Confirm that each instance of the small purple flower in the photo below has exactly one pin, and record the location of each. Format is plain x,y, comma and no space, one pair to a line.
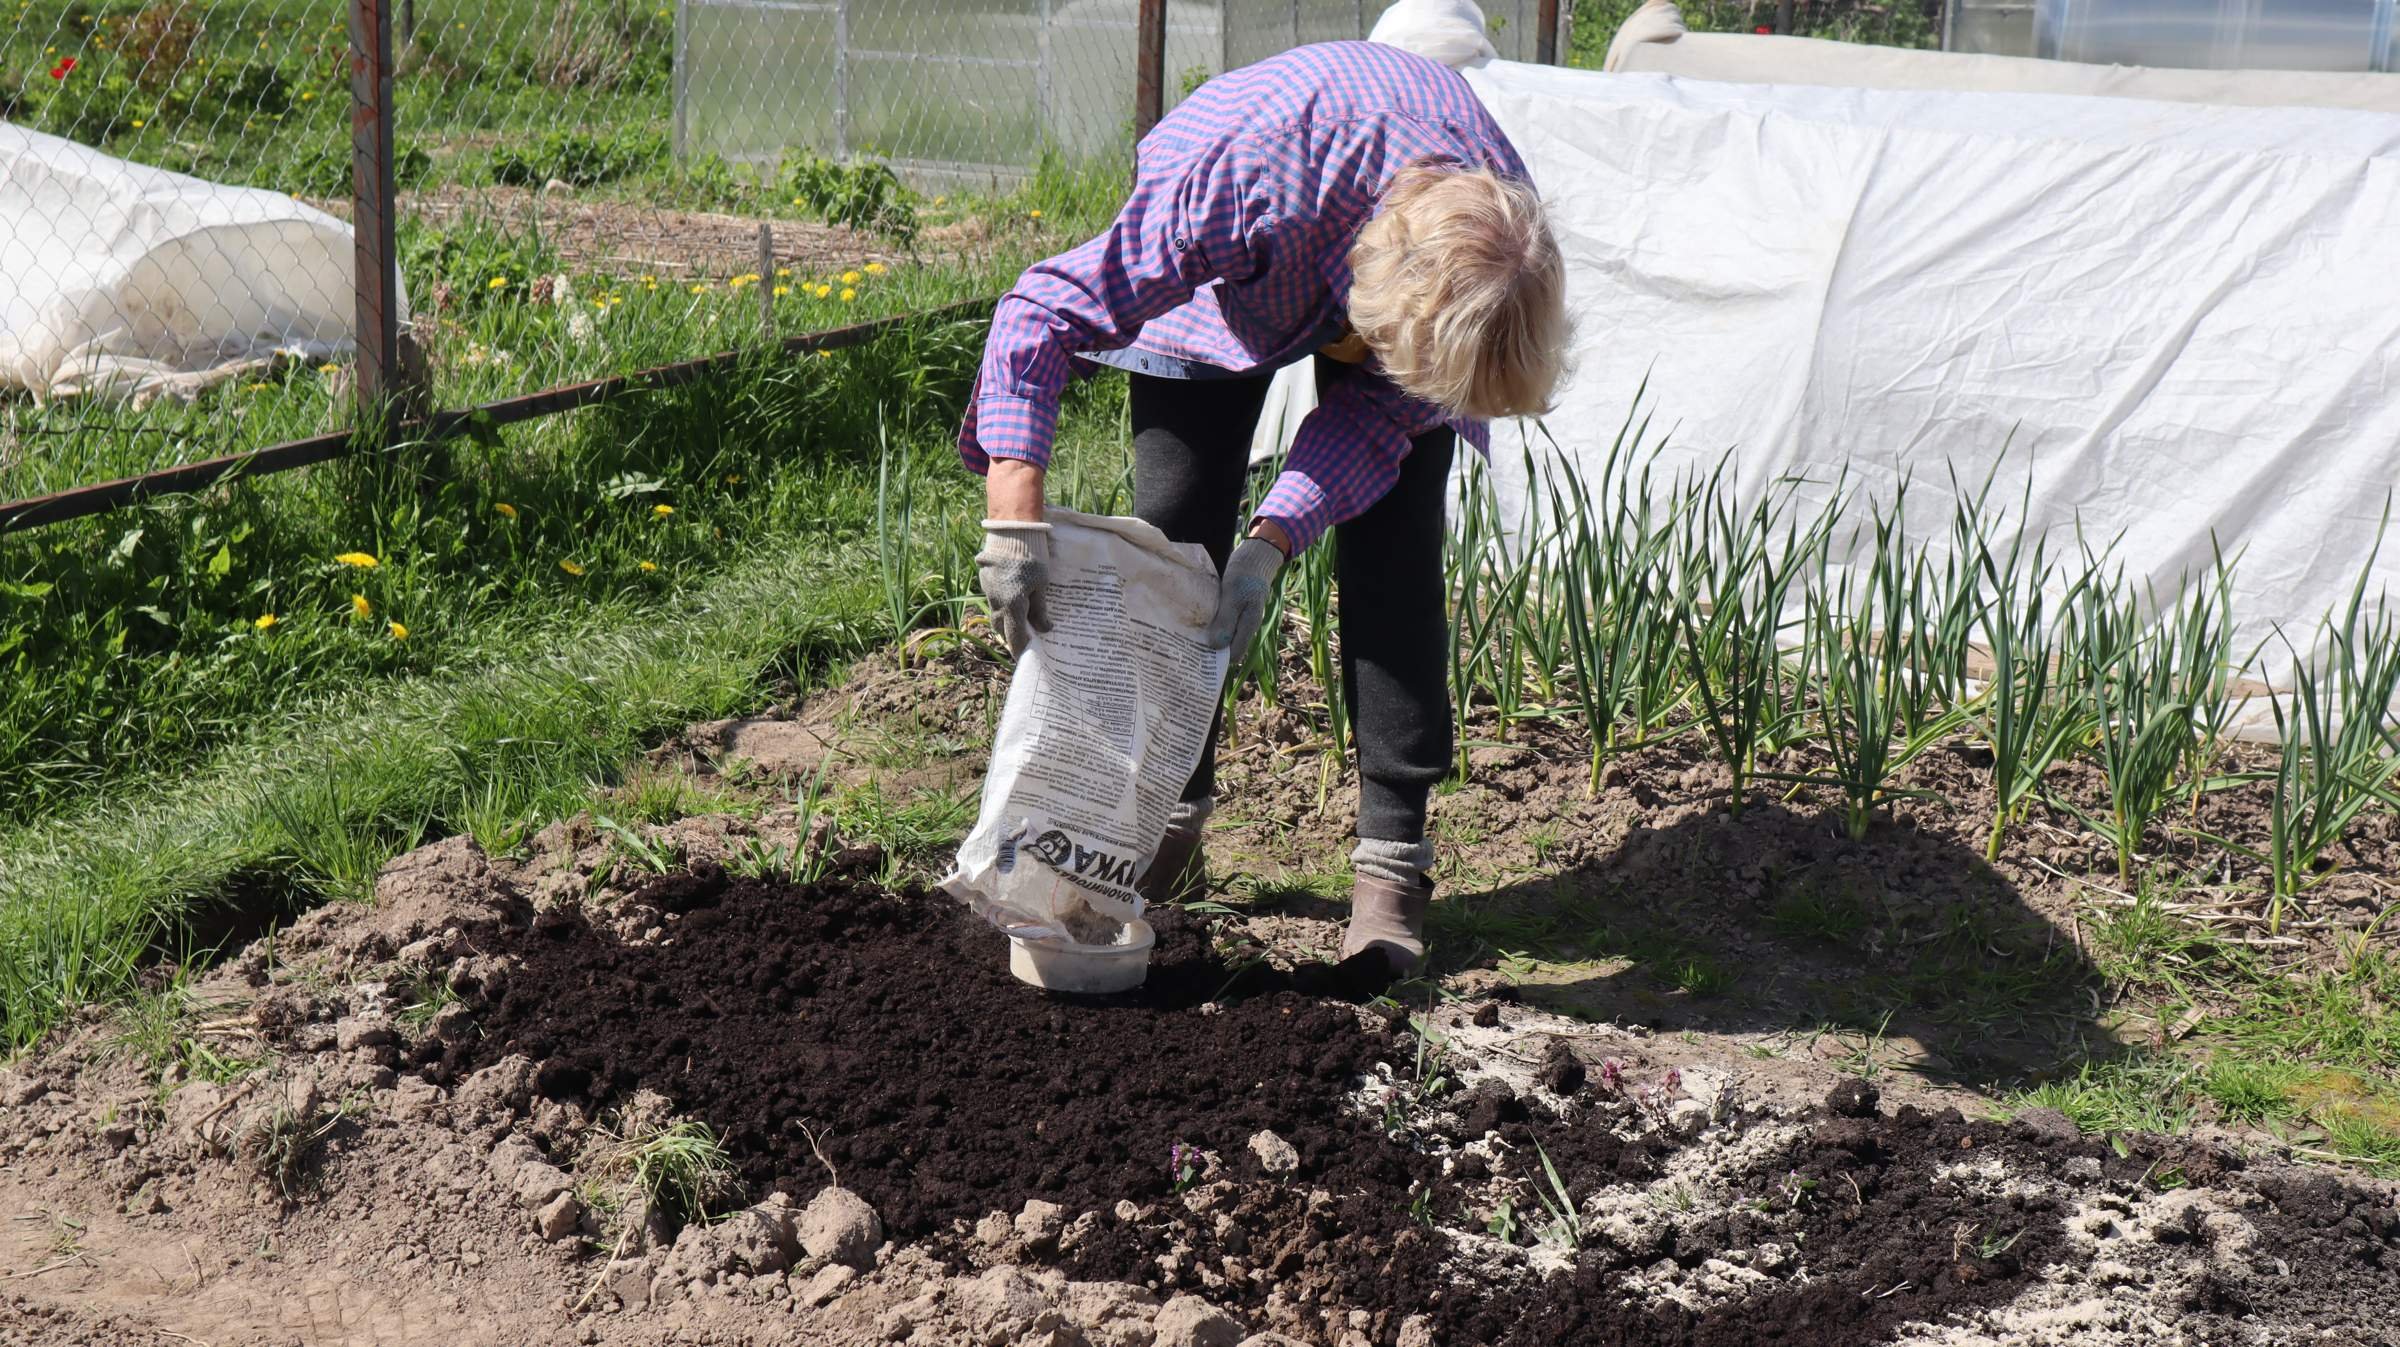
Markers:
1612,1074
1674,1079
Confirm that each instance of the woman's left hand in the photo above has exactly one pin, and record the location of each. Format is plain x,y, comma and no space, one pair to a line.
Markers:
1242,590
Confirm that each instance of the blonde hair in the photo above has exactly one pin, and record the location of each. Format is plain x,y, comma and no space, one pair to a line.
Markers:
1457,287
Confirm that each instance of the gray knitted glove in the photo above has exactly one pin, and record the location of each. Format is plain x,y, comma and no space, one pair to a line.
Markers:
1242,595
1014,568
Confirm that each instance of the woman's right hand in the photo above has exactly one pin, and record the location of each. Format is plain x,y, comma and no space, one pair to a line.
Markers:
1014,565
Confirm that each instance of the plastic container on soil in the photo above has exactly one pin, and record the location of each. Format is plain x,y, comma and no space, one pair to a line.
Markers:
1085,970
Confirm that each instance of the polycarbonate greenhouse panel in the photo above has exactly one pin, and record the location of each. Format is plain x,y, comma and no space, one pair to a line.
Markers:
754,77
973,91
2353,35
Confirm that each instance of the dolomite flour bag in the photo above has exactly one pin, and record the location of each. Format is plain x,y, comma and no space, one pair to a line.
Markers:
1105,720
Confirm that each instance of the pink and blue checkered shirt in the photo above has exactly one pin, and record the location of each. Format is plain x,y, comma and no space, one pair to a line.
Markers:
1233,252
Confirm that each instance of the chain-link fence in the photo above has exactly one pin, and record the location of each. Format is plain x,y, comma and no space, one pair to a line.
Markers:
577,189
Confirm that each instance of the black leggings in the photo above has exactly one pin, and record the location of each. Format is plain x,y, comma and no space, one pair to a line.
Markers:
1191,453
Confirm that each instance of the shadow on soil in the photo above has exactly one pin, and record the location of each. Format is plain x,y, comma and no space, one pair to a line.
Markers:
1777,923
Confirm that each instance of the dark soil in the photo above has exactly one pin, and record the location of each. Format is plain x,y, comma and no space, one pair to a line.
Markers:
942,1090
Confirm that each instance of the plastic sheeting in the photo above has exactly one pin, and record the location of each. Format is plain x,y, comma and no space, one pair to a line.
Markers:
2174,323
123,280
1653,40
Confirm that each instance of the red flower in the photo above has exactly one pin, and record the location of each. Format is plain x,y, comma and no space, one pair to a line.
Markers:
1764,28
65,64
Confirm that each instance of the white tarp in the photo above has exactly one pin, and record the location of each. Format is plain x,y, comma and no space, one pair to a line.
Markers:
2177,322
1650,42
125,280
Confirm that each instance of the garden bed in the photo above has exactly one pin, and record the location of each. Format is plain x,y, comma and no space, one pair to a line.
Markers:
426,1120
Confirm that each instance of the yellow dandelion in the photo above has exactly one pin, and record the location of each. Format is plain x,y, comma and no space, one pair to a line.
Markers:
1033,215
782,290
662,510
265,620
327,368
700,289
399,632
359,607
649,565
823,291
876,268
507,511
848,294
497,283
781,272
137,123
733,479
571,568
824,355
362,560
307,94
940,200
849,278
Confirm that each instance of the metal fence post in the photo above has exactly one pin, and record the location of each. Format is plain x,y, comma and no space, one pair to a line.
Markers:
841,79
374,272
1149,66
1545,33
1045,118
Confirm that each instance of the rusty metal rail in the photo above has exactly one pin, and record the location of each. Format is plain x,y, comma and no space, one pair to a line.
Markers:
77,502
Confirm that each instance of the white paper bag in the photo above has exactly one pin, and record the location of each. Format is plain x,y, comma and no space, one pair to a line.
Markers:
1106,716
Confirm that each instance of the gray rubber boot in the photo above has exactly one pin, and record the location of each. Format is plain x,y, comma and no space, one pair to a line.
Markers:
1388,902
1178,871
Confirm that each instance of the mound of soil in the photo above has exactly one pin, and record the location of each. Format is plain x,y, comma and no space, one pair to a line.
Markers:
879,1035
887,1026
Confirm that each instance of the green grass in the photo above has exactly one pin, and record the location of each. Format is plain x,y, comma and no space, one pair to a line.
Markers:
2305,1052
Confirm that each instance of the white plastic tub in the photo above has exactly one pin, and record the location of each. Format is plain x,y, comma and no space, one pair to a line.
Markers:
1085,970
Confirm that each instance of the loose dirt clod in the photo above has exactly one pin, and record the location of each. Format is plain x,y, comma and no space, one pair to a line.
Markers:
839,1227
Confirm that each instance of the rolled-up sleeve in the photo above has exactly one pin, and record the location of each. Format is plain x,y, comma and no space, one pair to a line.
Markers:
1347,454
1092,298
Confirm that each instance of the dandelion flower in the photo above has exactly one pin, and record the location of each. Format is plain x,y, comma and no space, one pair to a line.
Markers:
699,289
849,278
307,94
571,567
362,560
359,607
137,123
507,511
781,272
823,291
782,290
940,200
327,368
662,510
649,565
497,283
265,620
1033,215
848,294
876,268
824,355
399,632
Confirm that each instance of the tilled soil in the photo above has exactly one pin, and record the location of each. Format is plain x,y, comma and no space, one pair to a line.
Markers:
849,1030
1230,1151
